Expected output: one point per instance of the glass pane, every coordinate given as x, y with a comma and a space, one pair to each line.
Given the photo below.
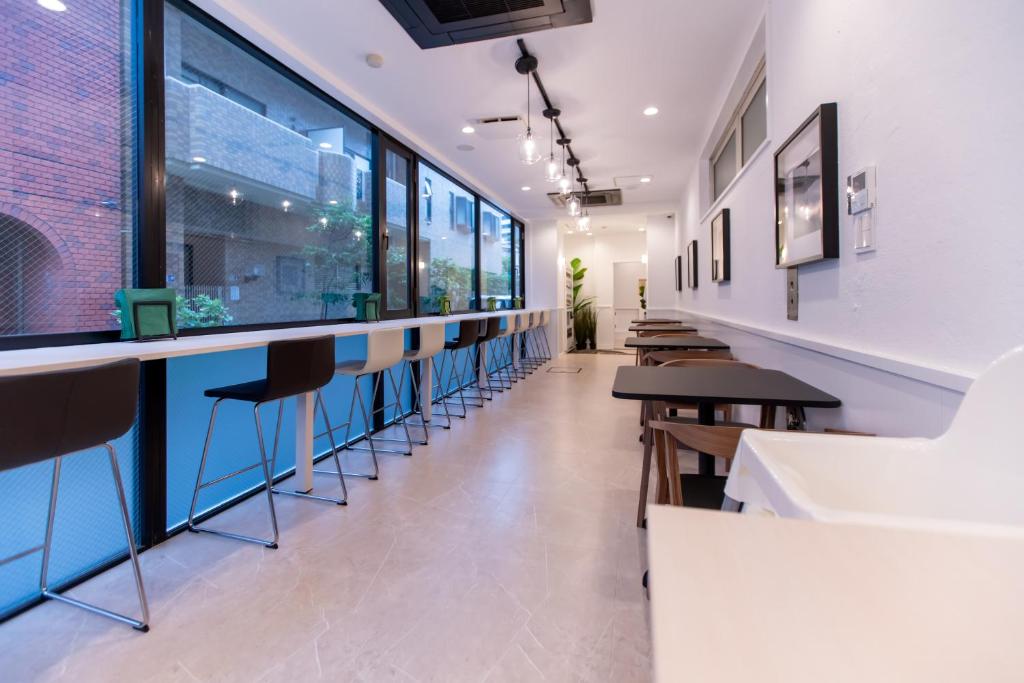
755, 123
67, 160
269, 189
496, 254
447, 243
725, 166
397, 215
517, 255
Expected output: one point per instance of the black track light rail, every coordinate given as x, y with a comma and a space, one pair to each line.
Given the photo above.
558, 125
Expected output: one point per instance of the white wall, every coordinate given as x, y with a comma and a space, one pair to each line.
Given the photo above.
928, 92
598, 254
661, 269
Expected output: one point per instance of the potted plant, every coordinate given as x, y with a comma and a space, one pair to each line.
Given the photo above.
643, 296
584, 318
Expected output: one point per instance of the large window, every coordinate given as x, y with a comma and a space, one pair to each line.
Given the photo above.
496, 254
447, 243
269, 189
67, 182
744, 134
67, 160
518, 260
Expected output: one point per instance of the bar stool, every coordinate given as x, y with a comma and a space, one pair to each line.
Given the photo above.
53, 414
502, 358
542, 336
491, 331
517, 350
384, 349
294, 366
469, 332
431, 343
533, 357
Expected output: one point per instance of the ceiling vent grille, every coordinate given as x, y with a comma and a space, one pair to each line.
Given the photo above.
596, 198
436, 23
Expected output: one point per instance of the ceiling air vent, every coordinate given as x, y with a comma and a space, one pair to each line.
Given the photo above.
436, 23
596, 198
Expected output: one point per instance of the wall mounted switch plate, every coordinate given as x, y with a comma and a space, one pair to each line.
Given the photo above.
792, 293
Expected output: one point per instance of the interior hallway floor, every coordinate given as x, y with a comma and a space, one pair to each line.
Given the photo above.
504, 551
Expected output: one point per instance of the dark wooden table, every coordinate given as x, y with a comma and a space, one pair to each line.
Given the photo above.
707, 387
689, 342
663, 327
654, 321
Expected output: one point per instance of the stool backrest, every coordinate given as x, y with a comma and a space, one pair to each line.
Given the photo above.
296, 366
384, 349
518, 318
431, 341
469, 332
54, 413
543, 317
491, 330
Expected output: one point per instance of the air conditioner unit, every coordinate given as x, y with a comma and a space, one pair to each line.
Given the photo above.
436, 23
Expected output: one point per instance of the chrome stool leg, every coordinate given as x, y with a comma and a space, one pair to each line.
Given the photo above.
448, 391
356, 395
318, 398
138, 624
192, 525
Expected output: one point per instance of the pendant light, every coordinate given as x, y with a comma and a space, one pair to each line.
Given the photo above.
529, 154
583, 222
552, 171
573, 204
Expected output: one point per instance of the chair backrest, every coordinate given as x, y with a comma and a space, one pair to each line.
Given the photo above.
544, 317
509, 326
518, 319
295, 366
384, 349
491, 330
984, 429
54, 413
662, 357
431, 341
717, 440
469, 332
705, 362
532, 321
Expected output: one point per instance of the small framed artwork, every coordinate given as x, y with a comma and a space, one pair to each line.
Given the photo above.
291, 275
691, 264
679, 273
720, 247
807, 191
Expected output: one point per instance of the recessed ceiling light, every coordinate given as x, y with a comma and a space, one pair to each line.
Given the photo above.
465, 148
642, 229
650, 111
199, 160
645, 179
326, 145
525, 188
468, 129
52, 5
374, 60
590, 234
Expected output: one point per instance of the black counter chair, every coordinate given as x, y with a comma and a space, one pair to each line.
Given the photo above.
490, 331
294, 366
50, 415
469, 332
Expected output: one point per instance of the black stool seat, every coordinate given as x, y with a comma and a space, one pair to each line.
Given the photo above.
294, 366
469, 332
257, 391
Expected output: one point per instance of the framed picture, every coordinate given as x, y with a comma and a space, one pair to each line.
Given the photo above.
679, 273
290, 275
807, 191
691, 264
720, 247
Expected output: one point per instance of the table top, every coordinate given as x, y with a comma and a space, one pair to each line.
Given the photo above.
739, 598
663, 327
687, 342
655, 320
741, 385
43, 359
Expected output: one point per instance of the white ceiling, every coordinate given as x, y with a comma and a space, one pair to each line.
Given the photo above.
679, 55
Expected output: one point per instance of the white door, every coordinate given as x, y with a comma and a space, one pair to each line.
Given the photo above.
626, 275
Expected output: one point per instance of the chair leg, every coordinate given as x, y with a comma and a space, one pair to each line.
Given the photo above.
444, 404
319, 402
447, 391
398, 409
417, 401
464, 384
138, 624
195, 528
358, 396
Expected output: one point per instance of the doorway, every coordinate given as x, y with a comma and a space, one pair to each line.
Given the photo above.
626, 276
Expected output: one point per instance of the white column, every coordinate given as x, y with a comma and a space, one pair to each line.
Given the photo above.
482, 373
304, 404
426, 388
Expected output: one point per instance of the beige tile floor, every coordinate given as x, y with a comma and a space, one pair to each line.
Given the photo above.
504, 551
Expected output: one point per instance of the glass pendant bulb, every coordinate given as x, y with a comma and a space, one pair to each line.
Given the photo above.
563, 185
574, 205
528, 152
552, 171
583, 223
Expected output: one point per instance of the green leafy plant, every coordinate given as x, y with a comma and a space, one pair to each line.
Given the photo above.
642, 290
577, 284
341, 259
584, 317
201, 310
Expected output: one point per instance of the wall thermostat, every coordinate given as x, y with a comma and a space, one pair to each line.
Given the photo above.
860, 203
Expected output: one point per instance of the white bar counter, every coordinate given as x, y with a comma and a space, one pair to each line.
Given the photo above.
45, 359
739, 598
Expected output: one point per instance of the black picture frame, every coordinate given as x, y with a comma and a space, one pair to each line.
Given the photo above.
290, 275
808, 230
691, 265
679, 273
720, 251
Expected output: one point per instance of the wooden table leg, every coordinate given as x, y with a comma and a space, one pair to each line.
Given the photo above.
705, 416
645, 473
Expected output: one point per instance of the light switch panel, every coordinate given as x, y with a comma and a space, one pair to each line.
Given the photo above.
792, 293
